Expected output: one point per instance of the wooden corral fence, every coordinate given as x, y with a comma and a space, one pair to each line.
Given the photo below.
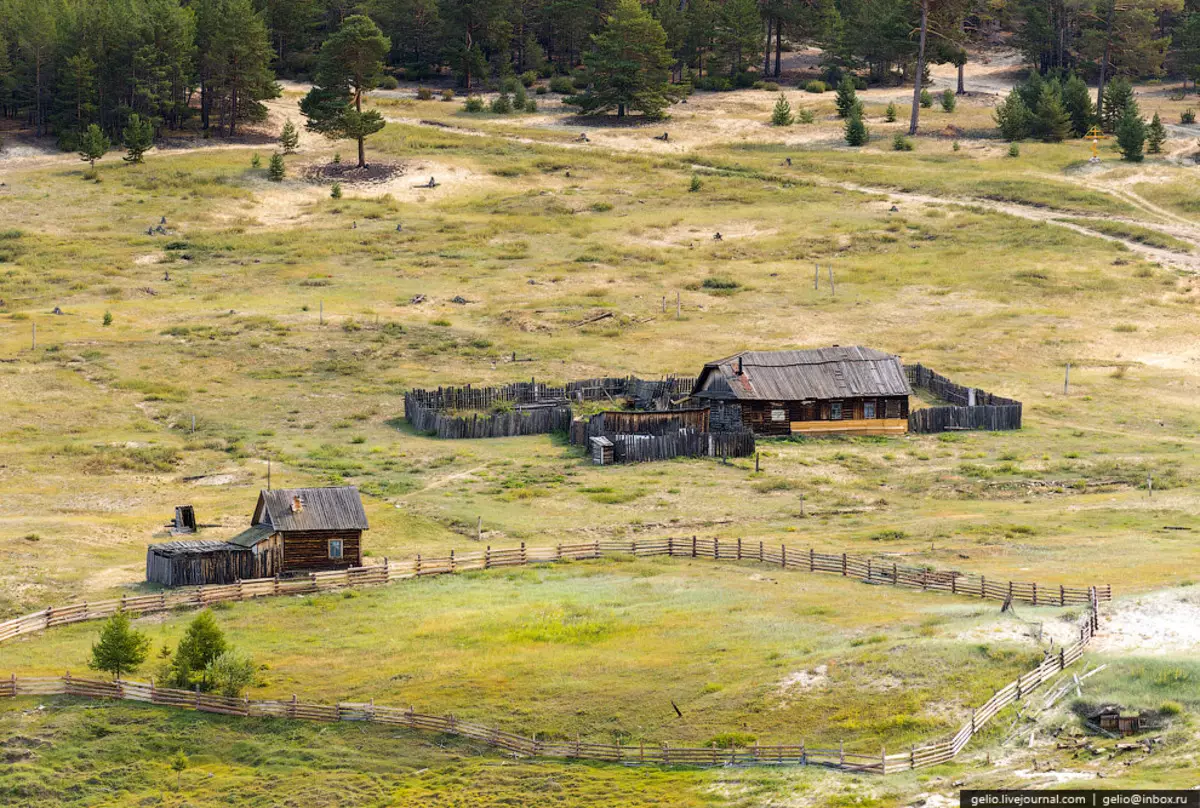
537, 408
527, 420
683, 443
969, 408
656, 422
519, 745
863, 568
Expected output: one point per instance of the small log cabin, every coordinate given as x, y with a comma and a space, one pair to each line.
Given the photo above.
823, 391
292, 531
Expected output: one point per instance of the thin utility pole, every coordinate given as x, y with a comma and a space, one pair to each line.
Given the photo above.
1067, 381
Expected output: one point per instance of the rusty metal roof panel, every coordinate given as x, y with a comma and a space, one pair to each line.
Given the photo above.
816, 374
292, 509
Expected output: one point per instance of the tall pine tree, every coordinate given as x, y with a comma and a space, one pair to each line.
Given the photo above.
629, 66
351, 64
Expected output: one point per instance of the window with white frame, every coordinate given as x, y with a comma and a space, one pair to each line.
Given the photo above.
835, 411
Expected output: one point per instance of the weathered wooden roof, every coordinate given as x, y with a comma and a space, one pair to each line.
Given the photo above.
252, 535
322, 509
820, 373
193, 547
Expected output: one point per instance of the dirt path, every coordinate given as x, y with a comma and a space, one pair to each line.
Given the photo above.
1185, 262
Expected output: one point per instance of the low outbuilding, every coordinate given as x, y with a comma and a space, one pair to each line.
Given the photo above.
293, 530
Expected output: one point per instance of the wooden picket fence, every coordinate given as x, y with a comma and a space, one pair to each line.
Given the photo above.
863, 568
519, 745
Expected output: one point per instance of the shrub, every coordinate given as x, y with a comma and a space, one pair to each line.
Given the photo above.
847, 98
769, 86
561, 85
714, 84
473, 104
388, 83
337, 158
805, 115
1170, 708
926, 99
335, 192
1131, 134
529, 77
541, 89
857, 133
1188, 116
1156, 134
782, 114
275, 169
956, 146
815, 86
1014, 150
255, 161
720, 282
108, 319
424, 94
949, 102
509, 85
289, 138
502, 104
696, 185
890, 115
731, 740
530, 105
901, 143
230, 673
447, 94
1012, 117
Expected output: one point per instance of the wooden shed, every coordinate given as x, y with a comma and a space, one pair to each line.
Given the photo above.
835, 390
602, 451
294, 530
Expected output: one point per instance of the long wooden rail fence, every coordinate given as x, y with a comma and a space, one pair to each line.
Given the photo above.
661, 754
863, 568
866, 569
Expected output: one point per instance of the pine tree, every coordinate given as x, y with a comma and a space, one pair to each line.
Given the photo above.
289, 138
93, 145
949, 102
1051, 122
235, 59
628, 65
1012, 117
1131, 134
1118, 95
847, 98
891, 113
351, 63
1078, 102
276, 170
1156, 135
926, 99
202, 642
856, 131
120, 649
138, 137
782, 114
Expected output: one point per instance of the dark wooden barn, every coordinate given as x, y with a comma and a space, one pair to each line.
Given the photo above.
836, 390
295, 530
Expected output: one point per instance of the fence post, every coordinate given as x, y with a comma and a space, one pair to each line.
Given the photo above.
812, 560
739, 549
868, 568
292, 707
487, 557
760, 551
1062, 595
843, 565
693, 546
558, 552
524, 558
783, 556
452, 560
842, 753
883, 760
670, 546
716, 548
983, 586
1035, 603
418, 572
953, 584
912, 756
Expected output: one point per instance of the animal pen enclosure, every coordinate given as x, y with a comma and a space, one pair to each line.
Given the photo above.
969, 408
637, 437
528, 408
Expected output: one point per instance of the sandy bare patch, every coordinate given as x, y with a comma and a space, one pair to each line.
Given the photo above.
1165, 622
149, 258
805, 680
217, 479
686, 236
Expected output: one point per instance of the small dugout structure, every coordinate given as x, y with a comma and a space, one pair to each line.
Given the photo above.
293, 531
